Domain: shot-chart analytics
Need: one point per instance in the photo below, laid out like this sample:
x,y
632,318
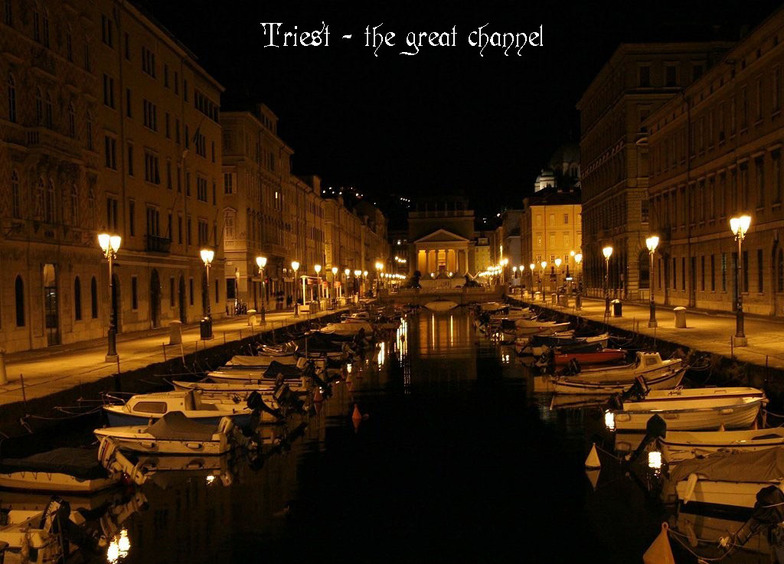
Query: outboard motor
x,y
655,427
768,513
256,403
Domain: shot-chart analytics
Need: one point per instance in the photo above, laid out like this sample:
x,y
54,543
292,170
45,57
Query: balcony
x,y
155,244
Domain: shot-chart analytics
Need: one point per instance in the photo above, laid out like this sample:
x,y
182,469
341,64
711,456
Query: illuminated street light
x,y
558,262
543,264
317,268
206,323
652,242
110,244
607,252
739,225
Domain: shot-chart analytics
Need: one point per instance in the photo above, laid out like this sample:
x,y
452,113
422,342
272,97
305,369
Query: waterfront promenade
x,y
706,331
42,372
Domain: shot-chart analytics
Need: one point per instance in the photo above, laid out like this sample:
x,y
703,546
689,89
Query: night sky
x,y
445,121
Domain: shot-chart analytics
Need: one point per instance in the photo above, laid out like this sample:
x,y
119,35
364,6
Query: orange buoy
x,y
356,416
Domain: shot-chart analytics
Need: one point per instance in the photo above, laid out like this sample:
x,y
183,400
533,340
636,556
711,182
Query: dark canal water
x,y
457,460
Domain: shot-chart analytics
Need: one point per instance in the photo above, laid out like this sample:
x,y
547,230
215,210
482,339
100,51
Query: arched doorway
x,y
181,300
155,299
51,308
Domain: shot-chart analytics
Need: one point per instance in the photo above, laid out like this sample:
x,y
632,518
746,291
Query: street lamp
x,y
317,268
379,268
347,272
295,268
110,244
558,262
357,283
607,252
206,331
652,242
332,290
261,262
531,268
739,226
578,302
543,264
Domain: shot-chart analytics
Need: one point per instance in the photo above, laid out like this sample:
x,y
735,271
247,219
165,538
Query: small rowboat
x,y
677,446
693,409
661,381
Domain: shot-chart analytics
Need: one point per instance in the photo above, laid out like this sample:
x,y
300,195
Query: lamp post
x,y
295,268
261,262
110,244
332,290
317,268
206,329
543,264
347,272
379,268
739,226
531,268
652,242
558,263
357,274
607,252
578,302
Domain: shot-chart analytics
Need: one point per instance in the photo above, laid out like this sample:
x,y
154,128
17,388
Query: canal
x,y
455,458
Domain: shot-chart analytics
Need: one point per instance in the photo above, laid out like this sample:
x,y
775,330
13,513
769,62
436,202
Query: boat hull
x,y
53,482
137,440
678,446
692,417
664,381
117,418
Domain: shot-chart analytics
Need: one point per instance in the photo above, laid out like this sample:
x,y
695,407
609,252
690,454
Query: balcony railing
x,y
155,244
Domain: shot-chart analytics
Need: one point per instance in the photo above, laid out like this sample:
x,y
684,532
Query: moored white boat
x,y
441,305
141,408
677,446
726,478
647,365
576,385
172,434
72,470
693,409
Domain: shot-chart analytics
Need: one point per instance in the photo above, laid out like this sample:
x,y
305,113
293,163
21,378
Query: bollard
x,y
3,375
175,332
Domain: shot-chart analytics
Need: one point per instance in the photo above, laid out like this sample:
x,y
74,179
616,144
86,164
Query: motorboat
x,y
647,365
262,359
591,354
349,328
730,479
538,328
142,408
677,446
692,409
173,434
660,381
61,470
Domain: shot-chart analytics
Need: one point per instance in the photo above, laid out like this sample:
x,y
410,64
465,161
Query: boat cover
x,y
175,426
756,466
80,463
276,368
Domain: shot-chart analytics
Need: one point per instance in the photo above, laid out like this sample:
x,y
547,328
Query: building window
x,y
746,271
713,273
775,173
49,118
74,205
204,232
134,293
20,303
228,187
89,132
11,98
50,211
759,169
780,272
644,76
111,213
702,273
683,273
39,107
168,175
177,131
167,125
148,61
151,171
94,298
177,91
132,218
150,115
128,107
165,75
188,237
171,292
77,299
674,273
130,159
179,229
775,87
107,33
108,91
71,121
127,47
201,188
760,275
110,152
228,224
153,222
16,196
190,291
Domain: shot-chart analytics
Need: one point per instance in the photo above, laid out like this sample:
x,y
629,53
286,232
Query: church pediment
x,y
441,236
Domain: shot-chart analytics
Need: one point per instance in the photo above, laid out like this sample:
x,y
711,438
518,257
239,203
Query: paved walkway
x,y
41,372
707,331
